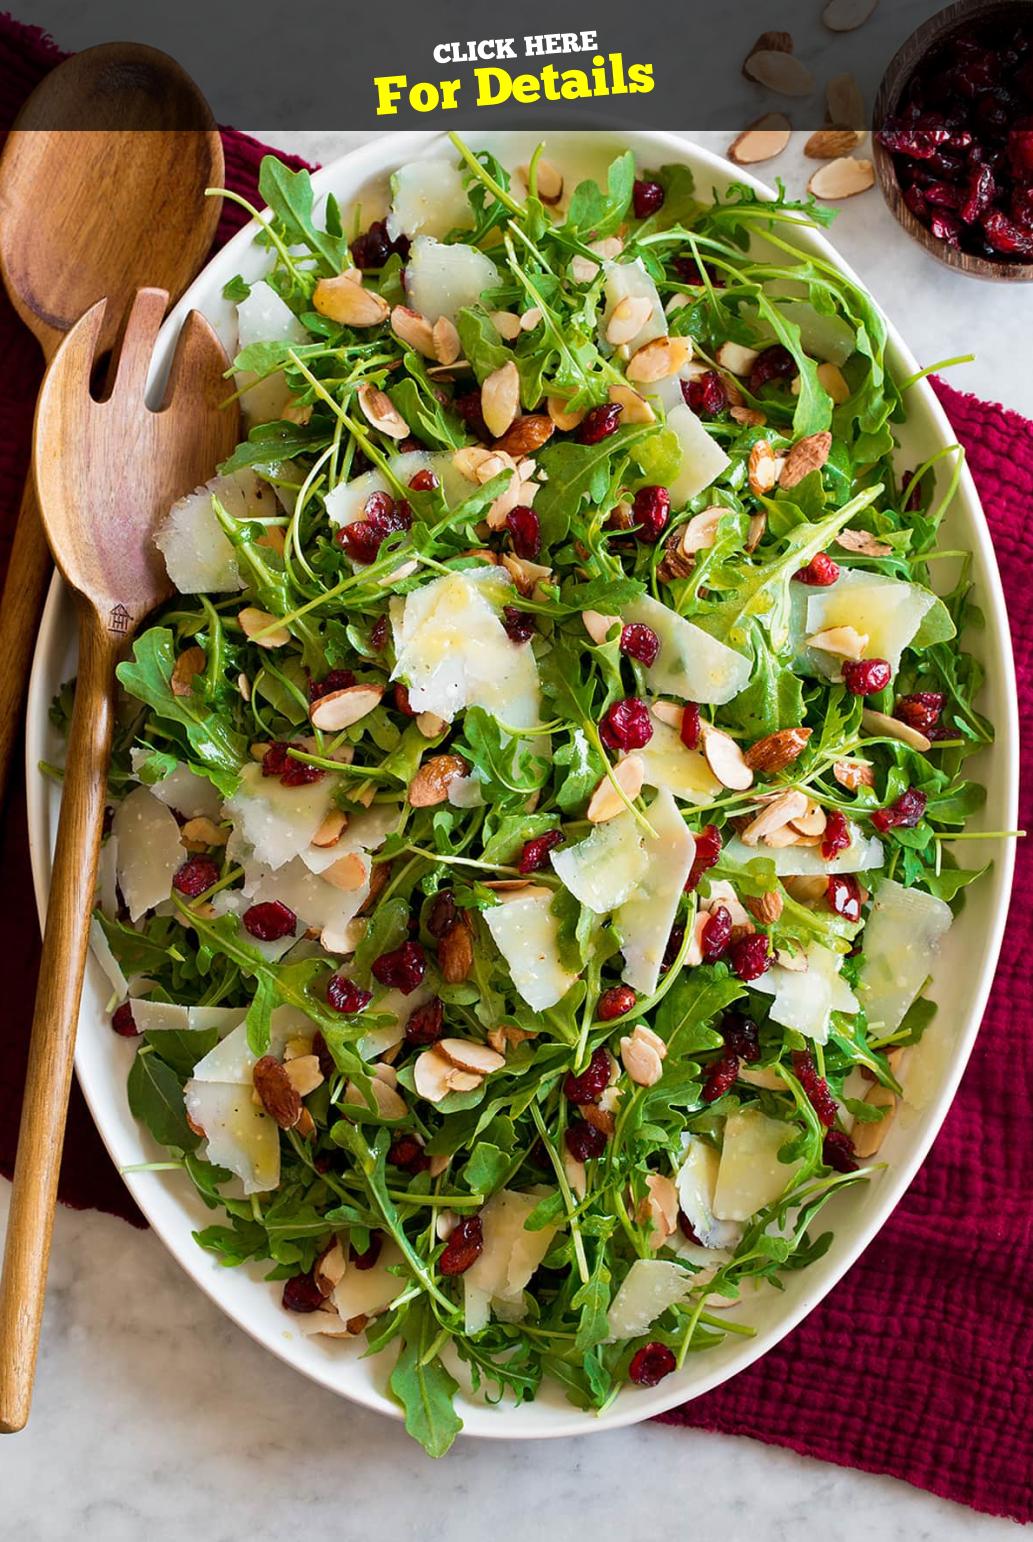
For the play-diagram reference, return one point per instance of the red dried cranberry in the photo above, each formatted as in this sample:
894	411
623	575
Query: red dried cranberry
720	1078
915	200
1022	206
646	198
1005	236
468	406
650	510
301	1294
675	938
424	481
345	996
836	837
1020	149
368	1258
583	1140
626	725
904	814
407	1153
383	516
843	896
640	642
741	1036
270	921
592	1082
615	1002
815	1087
292	773
327	1063
402	969
921	710
650	1364
914	143
442	915
196	876
708	851
945	226
980	190
374	246
535	853
464	1246
517	624
123	1021
525	532
599	424
774	363
749	957
716	935
400	693
866	677
336	680
837	1152
706	394
689	728
687	1229
692	272
819	573
426	1024
944	195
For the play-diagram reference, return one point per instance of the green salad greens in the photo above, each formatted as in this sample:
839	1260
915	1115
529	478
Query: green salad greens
528	859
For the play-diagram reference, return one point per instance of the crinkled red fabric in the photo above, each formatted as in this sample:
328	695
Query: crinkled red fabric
918	1364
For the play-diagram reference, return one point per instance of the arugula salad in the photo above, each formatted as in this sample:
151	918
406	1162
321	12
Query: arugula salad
527	858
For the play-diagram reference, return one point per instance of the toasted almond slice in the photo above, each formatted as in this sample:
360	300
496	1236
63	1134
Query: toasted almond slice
416	332
582	269
330	1268
725	759
548	178
701	531
852	774
736	359
297	412
273	538
846	15
844	102
344	939
642	1054
430	725
530	318
524	573
494	465
812	822
789	836
254	623
339	709
845	641
332	828
775	816
565	421
669	712
808	889
190	663
500	398
781	72
597	625
348	873
829	143
635	407
466	1055
864	543
381	413
833	381
506	324
882	725
469	459
342	299
627	319
304	1074
764	468
446	340
658	360
676	303
842	178
659	1209
868	1137
606	802
244	686
432	1076
205	832
755	534
762	141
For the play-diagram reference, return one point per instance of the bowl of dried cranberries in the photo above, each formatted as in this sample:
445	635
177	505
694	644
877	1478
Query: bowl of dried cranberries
953	138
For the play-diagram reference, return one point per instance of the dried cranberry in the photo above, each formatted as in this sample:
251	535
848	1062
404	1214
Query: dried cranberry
535	853
914	197
270	920
819	573
650	510
123	1021
843	896
741	1036
292	773
646	198
640	642
327	1063
407	1153
345	996
583	1140
593	1081
383	516
336	680
904	814
400	693
402	969
749	957
689	731
675	938
836	837
468	406
196	876
1020	149
1022	206
944	195
1006	237
720	1078
442	915
774	363
815	1087
301	1294
914	143
706	394
517	624
980	190
921	710
837	1152
615	1002
626	725
708	851
945	226
866	677
464	1246
650	1364
716	935
525	531
599	424
426	1024
368	1257
692	272
424	481
374	246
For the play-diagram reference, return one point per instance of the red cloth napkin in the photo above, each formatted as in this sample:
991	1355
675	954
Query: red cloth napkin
918	1364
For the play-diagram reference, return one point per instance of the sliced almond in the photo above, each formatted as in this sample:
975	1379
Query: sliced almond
852	774
506	324
446	340
868	1137
781	72
669	712
390	1104
635	408
524	573
430	725
297	412
642	1054
736	359
597	625
469	459
339	709
262	628
273	538
582	269
330	1268
606	802
862	542
493	465
774	817
844	102
500	398
342	299
381	413
331	829
659	1208
764	468
304	1074
806	889
846	15
845	641
190	663
548	178
244	686
830	143
430	784
807	455
531	318
344	939
434	1076
565	421
812	821
415	331
881	725
676	303
658	360
627	319
348	873
467	1055
842	178
507	1036
701	531
755	533
762	141
725	759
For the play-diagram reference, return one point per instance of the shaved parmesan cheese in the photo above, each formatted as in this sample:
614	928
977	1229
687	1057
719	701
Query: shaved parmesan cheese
428	198
510	1256
262	317
198	555
346	502
149	850
629	280
526	933
703	459
750	1175
885	610
193	796
806	998
232	1061
363	1292
400	1008
239	1133
603	870
277	822
669	764
107	960
313	900
861	856
691	664
159	1016
222	1019
696	1180
644	922
901	941
443	280
650	1286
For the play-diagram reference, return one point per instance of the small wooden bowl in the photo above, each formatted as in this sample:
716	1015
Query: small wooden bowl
901	68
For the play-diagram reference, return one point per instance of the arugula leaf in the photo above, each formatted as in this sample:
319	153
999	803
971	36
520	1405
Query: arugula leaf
155	1095
425	1389
593	213
216	747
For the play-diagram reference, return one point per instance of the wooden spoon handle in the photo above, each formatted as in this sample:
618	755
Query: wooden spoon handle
52	1046
25	588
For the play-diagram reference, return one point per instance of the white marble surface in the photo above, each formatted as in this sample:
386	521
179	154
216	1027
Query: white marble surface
155	1417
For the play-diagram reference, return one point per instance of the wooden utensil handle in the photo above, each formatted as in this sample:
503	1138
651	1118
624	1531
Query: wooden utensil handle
25	588
52	1046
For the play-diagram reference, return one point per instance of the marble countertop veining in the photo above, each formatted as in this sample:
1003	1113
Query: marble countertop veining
155	1417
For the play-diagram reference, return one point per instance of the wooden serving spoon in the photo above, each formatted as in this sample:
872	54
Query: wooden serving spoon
105	471
88	213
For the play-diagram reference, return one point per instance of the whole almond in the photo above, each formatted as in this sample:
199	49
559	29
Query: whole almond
526	435
773	42
430	784
342	299
765	908
278	1095
776	751
827	144
674	564
807	455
